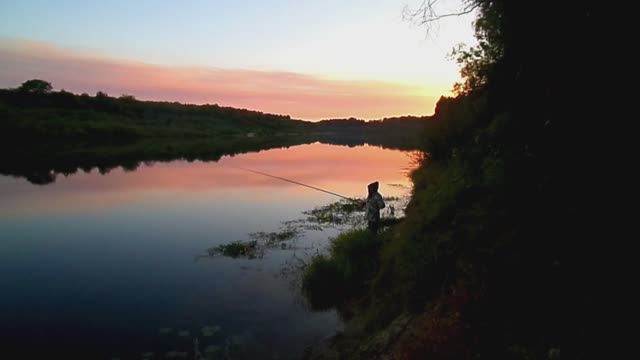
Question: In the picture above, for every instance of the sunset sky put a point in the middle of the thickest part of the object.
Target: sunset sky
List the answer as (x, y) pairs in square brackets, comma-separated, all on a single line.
[(309, 59)]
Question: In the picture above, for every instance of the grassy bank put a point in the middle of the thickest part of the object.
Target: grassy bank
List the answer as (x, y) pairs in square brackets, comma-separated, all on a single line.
[(34, 114), (43, 115), (44, 133), (494, 258), (481, 261), (329, 280)]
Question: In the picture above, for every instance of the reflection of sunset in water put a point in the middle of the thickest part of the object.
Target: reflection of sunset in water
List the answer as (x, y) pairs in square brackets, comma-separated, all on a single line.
[(125, 243), (339, 169)]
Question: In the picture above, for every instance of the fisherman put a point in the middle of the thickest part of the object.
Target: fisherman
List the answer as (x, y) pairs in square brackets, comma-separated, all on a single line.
[(373, 205)]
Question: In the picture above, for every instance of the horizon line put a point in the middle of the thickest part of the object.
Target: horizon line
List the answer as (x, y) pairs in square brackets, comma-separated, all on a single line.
[(135, 98), (301, 96)]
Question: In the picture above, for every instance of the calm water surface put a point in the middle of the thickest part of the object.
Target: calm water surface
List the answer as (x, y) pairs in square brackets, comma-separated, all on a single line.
[(97, 265)]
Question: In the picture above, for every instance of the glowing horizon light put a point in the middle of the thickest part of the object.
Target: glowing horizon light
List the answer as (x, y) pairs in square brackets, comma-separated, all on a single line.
[(309, 60), (298, 95)]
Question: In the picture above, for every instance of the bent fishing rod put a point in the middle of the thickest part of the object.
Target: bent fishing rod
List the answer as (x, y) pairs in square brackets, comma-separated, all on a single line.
[(295, 182)]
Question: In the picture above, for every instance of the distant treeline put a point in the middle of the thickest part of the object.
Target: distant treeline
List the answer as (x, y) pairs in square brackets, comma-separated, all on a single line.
[(44, 133), (403, 121), (35, 113), (29, 114)]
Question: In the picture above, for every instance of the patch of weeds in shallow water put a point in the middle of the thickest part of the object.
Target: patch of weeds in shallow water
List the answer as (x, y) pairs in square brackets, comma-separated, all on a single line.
[(276, 238), (256, 247), (179, 343), (237, 249), (302, 225), (210, 331), (174, 354), (337, 213), (243, 347), (343, 214), (212, 350)]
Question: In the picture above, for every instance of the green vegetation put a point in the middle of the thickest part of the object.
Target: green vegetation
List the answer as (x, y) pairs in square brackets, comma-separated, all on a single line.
[(493, 258), (44, 133), (209, 331), (236, 249), (259, 243), (343, 213), (276, 238), (33, 113), (36, 86), (210, 343), (337, 213), (62, 117), (331, 279)]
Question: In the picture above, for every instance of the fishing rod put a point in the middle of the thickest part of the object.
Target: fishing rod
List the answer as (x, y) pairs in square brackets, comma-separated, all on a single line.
[(296, 182)]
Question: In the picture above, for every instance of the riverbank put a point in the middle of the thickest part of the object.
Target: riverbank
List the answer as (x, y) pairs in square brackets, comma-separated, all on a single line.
[(135, 242), (479, 265), (45, 133), (495, 257)]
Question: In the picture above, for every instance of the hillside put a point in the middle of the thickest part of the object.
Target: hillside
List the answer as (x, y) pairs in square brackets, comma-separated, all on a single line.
[(44, 133), (62, 116), (494, 257)]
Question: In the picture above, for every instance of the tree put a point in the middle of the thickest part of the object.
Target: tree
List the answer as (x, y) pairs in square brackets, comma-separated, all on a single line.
[(475, 62), (36, 86), (127, 97), (426, 14)]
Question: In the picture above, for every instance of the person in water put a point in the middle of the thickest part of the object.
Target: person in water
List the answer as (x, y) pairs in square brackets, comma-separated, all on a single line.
[(373, 205)]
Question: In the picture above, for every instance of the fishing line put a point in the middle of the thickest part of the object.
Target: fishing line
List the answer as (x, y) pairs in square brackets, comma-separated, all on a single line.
[(294, 182)]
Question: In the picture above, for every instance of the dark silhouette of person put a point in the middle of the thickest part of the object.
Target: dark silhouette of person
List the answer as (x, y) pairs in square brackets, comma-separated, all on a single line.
[(373, 205)]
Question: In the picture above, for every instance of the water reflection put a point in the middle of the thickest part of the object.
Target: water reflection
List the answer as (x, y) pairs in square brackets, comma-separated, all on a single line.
[(342, 171), (95, 264)]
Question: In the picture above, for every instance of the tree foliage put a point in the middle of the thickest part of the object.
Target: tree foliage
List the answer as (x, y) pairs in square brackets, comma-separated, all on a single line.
[(36, 86), (501, 209)]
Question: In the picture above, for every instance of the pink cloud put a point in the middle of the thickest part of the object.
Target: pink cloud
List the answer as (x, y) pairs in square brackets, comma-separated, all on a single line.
[(299, 95)]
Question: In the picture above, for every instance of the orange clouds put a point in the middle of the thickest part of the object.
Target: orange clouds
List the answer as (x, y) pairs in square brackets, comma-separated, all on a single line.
[(301, 96)]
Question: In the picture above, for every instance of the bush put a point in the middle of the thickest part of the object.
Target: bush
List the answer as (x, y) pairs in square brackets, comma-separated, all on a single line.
[(322, 283), (355, 254), (331, 279)]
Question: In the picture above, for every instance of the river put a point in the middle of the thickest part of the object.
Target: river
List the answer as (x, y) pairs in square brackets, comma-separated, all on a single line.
[(114, 265)]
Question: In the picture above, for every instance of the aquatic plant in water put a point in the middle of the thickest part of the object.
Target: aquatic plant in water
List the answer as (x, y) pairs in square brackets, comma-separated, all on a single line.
[(277, 237), (336, 213), (212, 349), (255, 248), (174, 354), (171, 354), (241, 347), (236, 249), (343, 213), (209, 331)]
